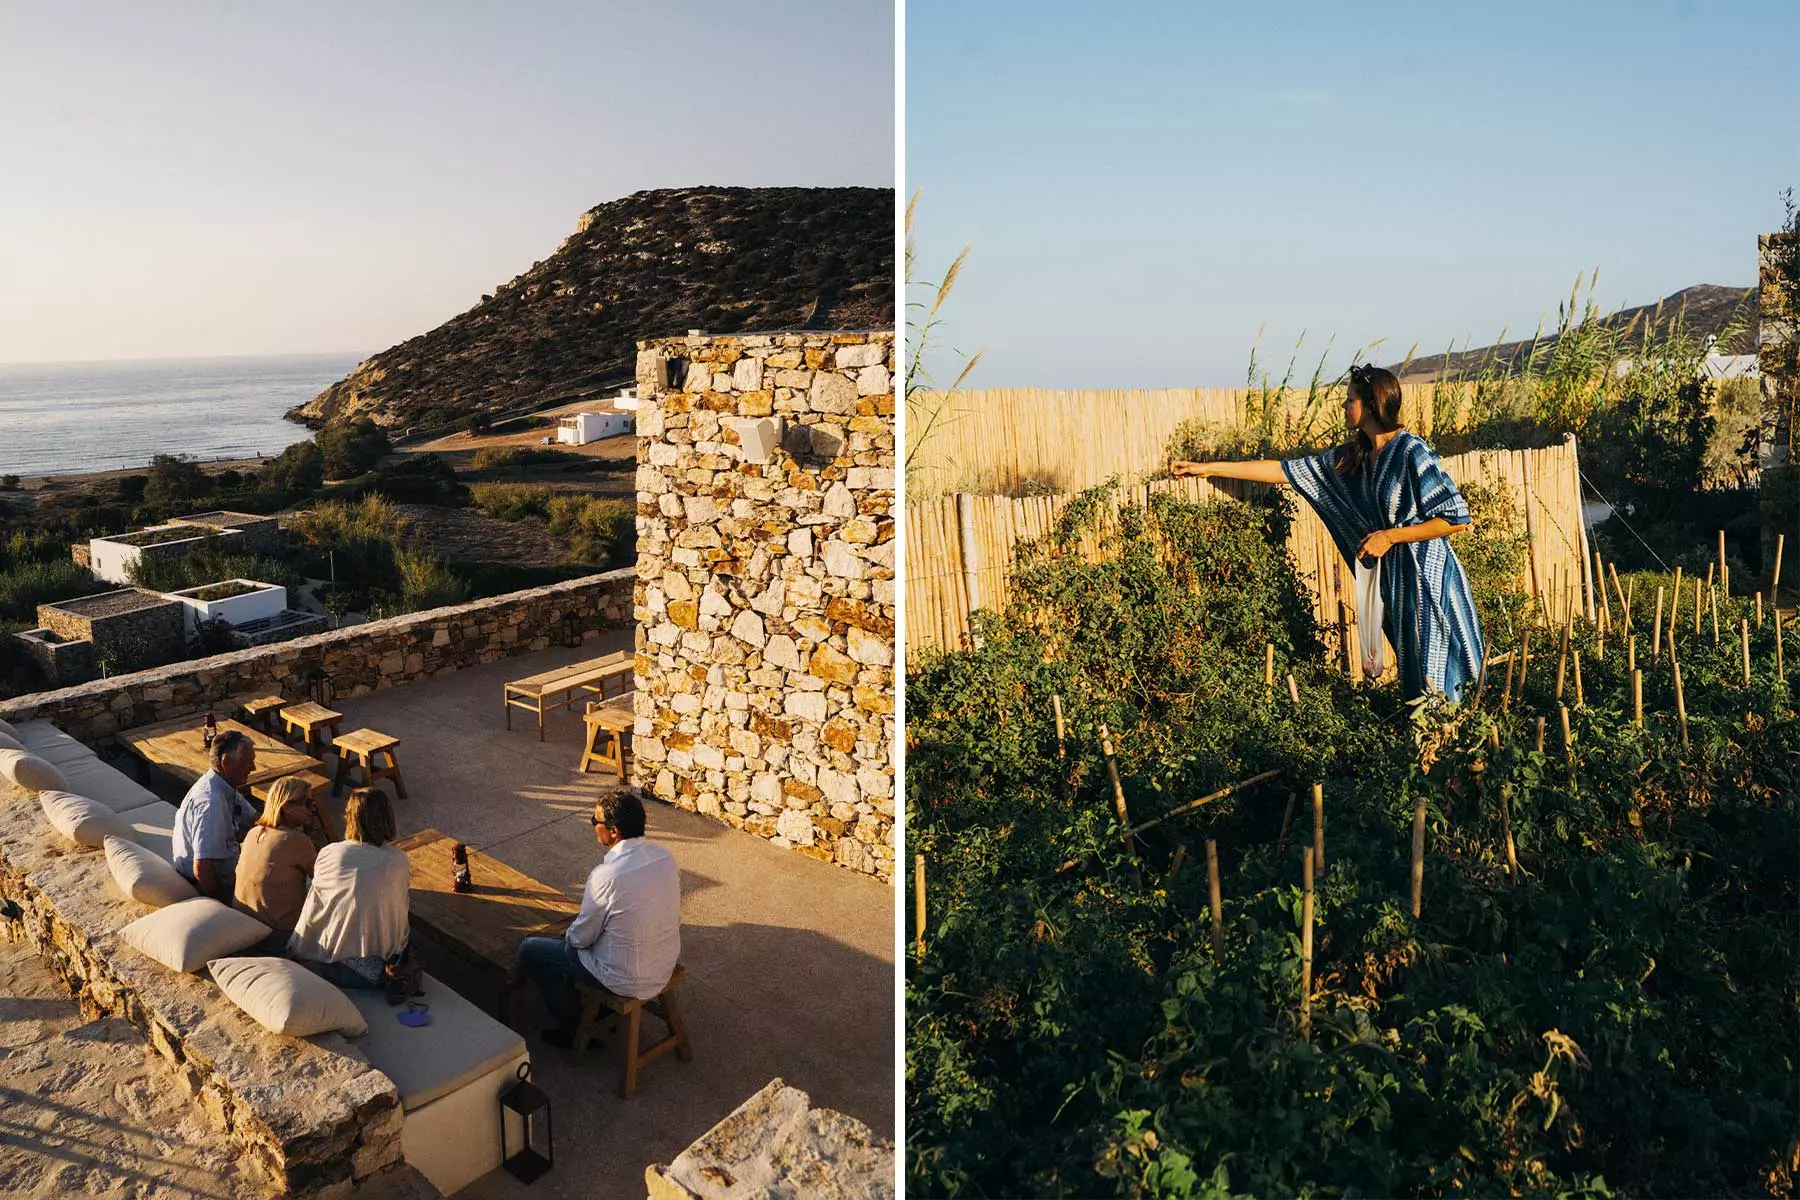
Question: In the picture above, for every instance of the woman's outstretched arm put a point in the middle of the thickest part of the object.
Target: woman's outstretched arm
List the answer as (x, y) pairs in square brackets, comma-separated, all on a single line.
[(1262, 470)]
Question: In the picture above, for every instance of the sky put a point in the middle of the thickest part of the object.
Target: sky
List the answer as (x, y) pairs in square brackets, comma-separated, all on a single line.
[(1146, 186), (184, 179)]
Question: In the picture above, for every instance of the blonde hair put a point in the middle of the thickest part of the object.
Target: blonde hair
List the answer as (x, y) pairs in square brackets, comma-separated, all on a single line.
[(285, 791), (369, 817)]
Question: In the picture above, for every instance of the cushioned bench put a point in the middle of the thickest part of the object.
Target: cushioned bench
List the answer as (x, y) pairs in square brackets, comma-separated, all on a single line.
[(450, 1074)]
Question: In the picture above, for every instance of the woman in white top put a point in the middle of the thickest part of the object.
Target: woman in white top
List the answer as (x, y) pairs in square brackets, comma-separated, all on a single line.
[(354, 917)]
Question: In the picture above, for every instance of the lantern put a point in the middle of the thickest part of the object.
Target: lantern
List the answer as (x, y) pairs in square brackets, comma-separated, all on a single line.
[(571, 629), (527, 1103)]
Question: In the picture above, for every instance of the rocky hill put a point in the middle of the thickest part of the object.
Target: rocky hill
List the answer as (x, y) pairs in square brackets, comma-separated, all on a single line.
[(1705, 309), (653, 264)]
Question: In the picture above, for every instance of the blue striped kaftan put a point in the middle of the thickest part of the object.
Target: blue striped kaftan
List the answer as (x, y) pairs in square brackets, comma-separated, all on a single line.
[(1430, 614)]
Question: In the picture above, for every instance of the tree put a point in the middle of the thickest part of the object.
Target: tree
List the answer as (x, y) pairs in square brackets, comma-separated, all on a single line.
[(353, 449), (298, 470), (174, 481)]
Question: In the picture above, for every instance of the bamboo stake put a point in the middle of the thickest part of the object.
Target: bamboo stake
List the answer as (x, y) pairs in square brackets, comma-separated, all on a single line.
[(1759, 612), (1775, 583), (1512, 856), (919, 901), (1624, 602), (1724, 568), (1744, 625), (1656, 631), (1118, 790), (1630, 591), (1176, 863), (1524, 662), (1714, 596), (1674, 609), (1287, 817), (1056, 704), (1696, 606), (1506, 692), (1306, 942), (1580, 696), (1600, 579), (1540, 734), (1568, 738), (1680, 705), (1206, 799), (1631, 653), (1318, 799), (1269, 667), (1212, 899), (1562, 668), (1637, 698), (1418, 856), (1780, 671), (1293, 690)]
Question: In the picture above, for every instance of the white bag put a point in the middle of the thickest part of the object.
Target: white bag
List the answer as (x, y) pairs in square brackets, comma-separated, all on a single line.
[(1368, 618)]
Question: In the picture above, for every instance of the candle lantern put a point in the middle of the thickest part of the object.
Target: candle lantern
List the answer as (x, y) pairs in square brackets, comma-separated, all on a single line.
[(459, 869), (529, 1106), (571, 629)]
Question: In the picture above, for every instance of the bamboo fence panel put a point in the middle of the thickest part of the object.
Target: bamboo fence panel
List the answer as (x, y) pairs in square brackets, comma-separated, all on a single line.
[(1544, 484), (1002, 439)]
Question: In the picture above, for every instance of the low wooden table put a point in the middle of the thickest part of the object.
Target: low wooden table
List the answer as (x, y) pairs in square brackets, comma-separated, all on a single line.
[(483, 927), (535, 693), (313, 722), (260, 711), (367, 746), (178, 748)]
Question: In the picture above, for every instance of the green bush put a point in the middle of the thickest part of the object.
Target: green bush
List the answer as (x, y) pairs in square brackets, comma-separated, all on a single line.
[(512, 501), (175, 483), (426, 581), (298, 470), (353, 448), (601, 530), (412, 479), (29, 584)]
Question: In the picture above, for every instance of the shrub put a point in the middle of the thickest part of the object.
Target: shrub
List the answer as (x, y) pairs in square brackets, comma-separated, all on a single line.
[(130, 489), (492, 458), (413, 479), (174, 483), (353, 448), (512, 501), (9, 483), (426, 581), (601, 530), (30, 584), (297, 471)]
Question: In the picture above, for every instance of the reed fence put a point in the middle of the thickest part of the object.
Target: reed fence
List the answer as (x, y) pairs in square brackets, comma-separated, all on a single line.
[(1005, 439), (960, 548)]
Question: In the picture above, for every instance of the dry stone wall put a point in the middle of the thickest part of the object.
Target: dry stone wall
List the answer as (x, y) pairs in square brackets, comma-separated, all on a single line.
[(357, 660), (765, 596)]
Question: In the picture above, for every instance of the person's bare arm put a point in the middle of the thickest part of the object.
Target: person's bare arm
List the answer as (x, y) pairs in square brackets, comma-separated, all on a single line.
[(208, 879), (1383, 540), (1262, 470)]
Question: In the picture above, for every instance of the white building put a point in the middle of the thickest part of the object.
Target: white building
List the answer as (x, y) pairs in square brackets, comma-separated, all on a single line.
[(582, 428)]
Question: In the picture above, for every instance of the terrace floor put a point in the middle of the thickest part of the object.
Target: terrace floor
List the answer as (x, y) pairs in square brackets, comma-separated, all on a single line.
[(790, 961)]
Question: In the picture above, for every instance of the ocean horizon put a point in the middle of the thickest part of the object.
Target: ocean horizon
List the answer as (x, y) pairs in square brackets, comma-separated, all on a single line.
[(64, 418)]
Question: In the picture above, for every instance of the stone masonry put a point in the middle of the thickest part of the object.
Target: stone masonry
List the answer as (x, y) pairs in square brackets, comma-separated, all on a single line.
[(765, 595)]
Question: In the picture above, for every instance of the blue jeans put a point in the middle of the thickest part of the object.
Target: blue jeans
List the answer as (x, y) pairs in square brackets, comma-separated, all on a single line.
[(555, 967)]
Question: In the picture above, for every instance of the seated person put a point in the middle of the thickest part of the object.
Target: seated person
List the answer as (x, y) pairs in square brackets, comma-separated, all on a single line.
[(627, 936), (212, 817), (276, 860), (355, 917)]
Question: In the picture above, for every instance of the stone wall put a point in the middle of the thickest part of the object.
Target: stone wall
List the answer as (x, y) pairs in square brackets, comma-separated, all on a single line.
[(130, 629), (777, 1145), (358, 660), (765, 601), (310, 1115), (62, 662)]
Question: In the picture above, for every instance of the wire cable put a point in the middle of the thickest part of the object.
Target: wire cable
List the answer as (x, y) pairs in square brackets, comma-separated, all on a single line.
[(1620, 513)]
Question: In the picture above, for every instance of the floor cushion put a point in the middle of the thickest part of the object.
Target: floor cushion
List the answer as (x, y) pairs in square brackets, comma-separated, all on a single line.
[(10, 731), (30, 772), (144, 875), (284, 997), (461, 1044), (83, 821), (188, 935), (109, 785), (153, 828), (39, 736)]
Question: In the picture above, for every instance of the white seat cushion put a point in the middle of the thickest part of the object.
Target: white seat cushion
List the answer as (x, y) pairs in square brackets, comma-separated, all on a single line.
[(30, 772), (144, 876), (12, 731), (153, 828), (8, 742), (61, 754), (110, 786), (38, 736), (188, 935), (461, 1044), (83, 821), (284, 997)]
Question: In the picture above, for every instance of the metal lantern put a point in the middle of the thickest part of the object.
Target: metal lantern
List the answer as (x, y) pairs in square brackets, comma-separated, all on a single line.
[(571, 629), (531, 1106)]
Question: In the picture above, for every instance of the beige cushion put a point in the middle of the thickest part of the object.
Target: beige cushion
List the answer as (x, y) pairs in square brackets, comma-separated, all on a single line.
[(285, 997), (153, 828), (30, 772), (144, 876), (110, 786), (9, 743), (84, 822), (37, 736), (188, 935), (9, 730), (461, 1044)]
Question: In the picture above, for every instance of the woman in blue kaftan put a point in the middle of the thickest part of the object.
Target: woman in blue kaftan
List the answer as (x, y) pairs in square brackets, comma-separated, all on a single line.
[(1384, 495)]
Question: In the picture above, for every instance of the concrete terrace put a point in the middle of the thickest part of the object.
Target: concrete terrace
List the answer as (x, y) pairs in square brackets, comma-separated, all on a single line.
[(790, 961)]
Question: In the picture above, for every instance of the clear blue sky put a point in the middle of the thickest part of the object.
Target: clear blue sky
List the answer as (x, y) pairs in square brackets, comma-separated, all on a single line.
[(1145, 185), (195, 179)]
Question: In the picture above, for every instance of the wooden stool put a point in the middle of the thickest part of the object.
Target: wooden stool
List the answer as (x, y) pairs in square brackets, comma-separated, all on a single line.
[(316, 725), (368, 746), (593, 999), (260, 711), (614, 723)]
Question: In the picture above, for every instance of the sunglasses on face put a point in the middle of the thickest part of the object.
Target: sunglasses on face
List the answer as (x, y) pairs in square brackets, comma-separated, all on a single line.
[(596, 822)]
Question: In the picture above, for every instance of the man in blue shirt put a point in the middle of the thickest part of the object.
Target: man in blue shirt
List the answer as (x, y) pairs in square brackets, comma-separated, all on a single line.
[(213, 816)]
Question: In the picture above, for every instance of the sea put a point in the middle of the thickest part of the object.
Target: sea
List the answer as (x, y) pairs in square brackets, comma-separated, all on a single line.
[(62, 418)]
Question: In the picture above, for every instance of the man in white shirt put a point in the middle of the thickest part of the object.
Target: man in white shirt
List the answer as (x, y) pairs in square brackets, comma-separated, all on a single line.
[(627, 936), (213, 817)]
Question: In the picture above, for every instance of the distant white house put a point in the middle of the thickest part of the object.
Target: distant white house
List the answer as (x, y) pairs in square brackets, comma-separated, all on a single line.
[(582, 428), (1714, 366)]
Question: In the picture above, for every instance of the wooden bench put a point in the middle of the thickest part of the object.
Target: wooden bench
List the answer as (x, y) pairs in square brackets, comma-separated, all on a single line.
[(367, 745), (590, 678), (314, 723), (594, 998), (611, 720), (260, 711)]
